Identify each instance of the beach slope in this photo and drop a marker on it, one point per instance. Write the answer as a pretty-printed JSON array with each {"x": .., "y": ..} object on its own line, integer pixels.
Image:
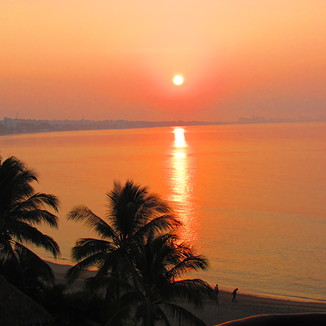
[{"x": 247, "y": 306}]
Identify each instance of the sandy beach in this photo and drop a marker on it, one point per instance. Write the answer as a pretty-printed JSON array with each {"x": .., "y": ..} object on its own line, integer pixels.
[
  {"x": 226, "y": 310},
  {"x": 249, "y": 305}
]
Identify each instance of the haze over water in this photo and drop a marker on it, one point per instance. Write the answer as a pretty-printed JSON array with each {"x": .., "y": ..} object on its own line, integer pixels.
[{"x": 251, "y": 197}]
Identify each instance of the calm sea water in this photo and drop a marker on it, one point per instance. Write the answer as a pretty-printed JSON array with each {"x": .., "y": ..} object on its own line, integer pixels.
[{"x": 252, "y": 198}]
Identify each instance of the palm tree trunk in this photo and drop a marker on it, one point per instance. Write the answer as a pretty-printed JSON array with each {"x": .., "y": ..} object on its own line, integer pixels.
[{"x": 148, "y": 319}]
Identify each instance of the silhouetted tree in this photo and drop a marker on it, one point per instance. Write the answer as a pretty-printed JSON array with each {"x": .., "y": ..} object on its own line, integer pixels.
[
  {"x": 21, "y": 208},
  {"x": 132, "y": 214},
  {"x": 139, "y": 260},
  {"x": 157, "y": 292}
]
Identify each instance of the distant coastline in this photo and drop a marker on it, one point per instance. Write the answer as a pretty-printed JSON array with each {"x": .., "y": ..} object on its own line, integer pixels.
[{"x": 10, "y": 126}]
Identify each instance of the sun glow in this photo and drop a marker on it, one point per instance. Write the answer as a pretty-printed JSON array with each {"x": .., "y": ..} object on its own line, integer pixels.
[
  {"x": 179, "y": 138},
  {"x": 178, "y": 80}
]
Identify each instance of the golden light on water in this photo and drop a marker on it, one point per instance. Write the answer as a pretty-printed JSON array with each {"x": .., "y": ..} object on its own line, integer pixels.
[
  {"x": 181, "y": 184},
  {"x": 179, "y": 138},
  {"x": 179, "y": 155}
]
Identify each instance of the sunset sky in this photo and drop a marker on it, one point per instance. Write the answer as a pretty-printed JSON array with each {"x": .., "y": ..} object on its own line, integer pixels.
[{"x": 110, "y": 59}]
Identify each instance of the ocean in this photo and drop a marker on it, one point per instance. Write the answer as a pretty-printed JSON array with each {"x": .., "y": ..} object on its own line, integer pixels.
[{"x": 252, "y": 198}]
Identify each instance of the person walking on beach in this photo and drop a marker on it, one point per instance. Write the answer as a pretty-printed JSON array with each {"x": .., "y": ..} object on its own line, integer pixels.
[
  {"x": 234, "y": 295},
  {"x": 216, "y": 291}
]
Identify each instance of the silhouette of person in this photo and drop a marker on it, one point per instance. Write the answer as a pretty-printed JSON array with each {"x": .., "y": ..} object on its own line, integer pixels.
[
  {"x": 234, "y": 295},
  {"x": 216, "y": 291}
]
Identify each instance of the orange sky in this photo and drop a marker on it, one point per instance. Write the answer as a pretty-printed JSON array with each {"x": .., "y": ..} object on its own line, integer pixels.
[{"x": 109, "y": 59}]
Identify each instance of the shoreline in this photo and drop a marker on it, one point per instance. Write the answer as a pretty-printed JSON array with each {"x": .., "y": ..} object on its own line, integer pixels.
[
  {"x": 248, "y": 304},
  {"x": 60, "y": 269}
]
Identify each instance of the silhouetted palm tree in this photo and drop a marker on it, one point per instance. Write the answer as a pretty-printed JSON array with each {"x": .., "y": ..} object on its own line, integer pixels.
[
  {"x": 20, "y": 210},
  {"x": 132, "y": 214},
  {"x": 138, "y": 259},
  {"x": 157, "y": 292}
]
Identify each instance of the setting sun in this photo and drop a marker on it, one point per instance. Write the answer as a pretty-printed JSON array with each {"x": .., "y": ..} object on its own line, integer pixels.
[{"x": 178, "y": 80}]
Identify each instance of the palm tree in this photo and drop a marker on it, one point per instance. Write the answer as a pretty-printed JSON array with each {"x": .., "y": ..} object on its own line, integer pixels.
[
  {"x": 138, "y": 259},
  {"x": 157, "y": 292},
  {"x": 133, "y": 213},
  {"x": 21, "y": 208}
]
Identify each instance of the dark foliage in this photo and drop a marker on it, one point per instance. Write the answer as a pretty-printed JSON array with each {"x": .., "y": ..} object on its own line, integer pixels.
[
  {"x": 139, "y": 260},
  {"x": 21, "y": 210}
]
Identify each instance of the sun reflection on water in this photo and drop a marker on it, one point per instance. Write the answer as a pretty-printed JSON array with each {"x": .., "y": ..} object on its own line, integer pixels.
[
  {"x": 179, "y": 138},
  {"x": 181, "y": 184}
]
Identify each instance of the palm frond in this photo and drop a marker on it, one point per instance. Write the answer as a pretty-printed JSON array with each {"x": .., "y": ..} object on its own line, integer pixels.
[
  {"x": 7, "y": 252},
  {"x": 36, "y": 216},
  {"x": 183, "y": 316},
  {"x": 158, "y": 224},
  {"x": 16, "y": 178},
  {"x": 190, "y": 263},
  {"x": 10, "y": 265},
  {"x": 12, "y": 167},
  {"x": 33, "y": 265},
  {"x": 153, "y": 205},
  {"x": 38, "y": 200},
  {"x": 121, "y": 195},
  {"x": 83, "y": 213},
  {"x": 194, "y": 291},
  {"x": 124, "y": 202},
  {"x": 131, "y": 207},
  {"x": 25, "y": 232},
  {"x": 154, "y": 255},
  {"x": 91, "y": 261},
  {"x": 88, "y": 246}
]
